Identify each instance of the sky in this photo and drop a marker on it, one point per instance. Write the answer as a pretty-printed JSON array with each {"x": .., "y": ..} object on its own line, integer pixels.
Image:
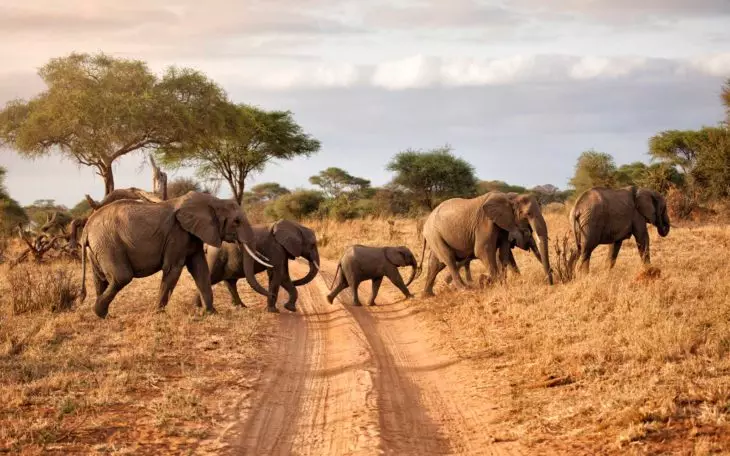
[{"x": 516, "y": 87}]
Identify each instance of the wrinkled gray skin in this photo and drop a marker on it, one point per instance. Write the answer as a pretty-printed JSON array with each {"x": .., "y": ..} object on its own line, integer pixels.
[
  {"x": 283, "y": 241},
  {"x": 506, "y": 244},
  {"x": 461, "y": 229},
  {"x": 610, "y": 216},
  {"x": 130, "y": 239},
  {"x": 360, "y": 262}
]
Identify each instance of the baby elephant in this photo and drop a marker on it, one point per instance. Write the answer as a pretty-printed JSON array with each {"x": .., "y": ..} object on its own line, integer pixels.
[{"x": 360, "y": 262}]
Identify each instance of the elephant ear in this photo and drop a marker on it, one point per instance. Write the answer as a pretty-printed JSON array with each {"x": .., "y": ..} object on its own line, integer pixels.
[
  {"x": 646, "y": 204},
  {"x": 289, "y": 236},
  {"x": 196, "y": 215},
  {"x": 498, "y": 208},
  {"x": 395, "y": 256}
]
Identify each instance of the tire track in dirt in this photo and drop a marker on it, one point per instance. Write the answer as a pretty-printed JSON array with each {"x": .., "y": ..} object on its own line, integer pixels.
[
  {"x": 430, "y": 401},
  {"x": 317, "y": 396}
]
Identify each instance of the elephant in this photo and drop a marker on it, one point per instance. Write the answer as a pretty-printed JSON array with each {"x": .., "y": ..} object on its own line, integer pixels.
[
  {"x": 459, "y": 229},
  {"x": 130, "y": 239},
  {"x": 361, "y": 262},
  {"x": 283, "y": 241},
  {"x": 506, "y": 259},
  {"x": 610, "y": 216}
]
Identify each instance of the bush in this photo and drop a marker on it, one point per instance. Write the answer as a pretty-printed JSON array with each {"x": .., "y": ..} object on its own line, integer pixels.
[
  {"x": 296, "y": 205},
  {"x": 680, "y": 203},
  {"x": 35, "y": 288},
  {"x": 182, "y": 185}
]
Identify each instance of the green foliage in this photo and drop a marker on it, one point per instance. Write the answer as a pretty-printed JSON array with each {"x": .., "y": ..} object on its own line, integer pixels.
[
  {"x": 660, "y": 177},
  {"x": 712, "y": 170},
  {"x": 498, "y": 186},
  {"x": 593, "y": 169},
  {"x": 295, "y": 205},
  {"x": 334, "y": 182},
  {"x": 393, "y": 200},
  {"x": 81, "y": 209},
  {"x": 680, "y": 147},
  {"x": 433, "y": 175},
  {"x": 546, "y": 194},
  {"x": 630, "y": 174},
  {"x": 182, "y": 185},
  {"x": 11, "y": 213},
  {"x": 242, "y": 143},
  {"x": 98, "y": 108},
  {"x": 41, "y": 211},
  {"x": 265, "y": 192}
]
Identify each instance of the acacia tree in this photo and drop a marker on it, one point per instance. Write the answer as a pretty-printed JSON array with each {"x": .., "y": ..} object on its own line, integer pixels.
[
  {"x": 244, "y": 141},
  {"x": 98, "y": 108},
  {"x": 334, "y": 182},
  {"x": 433, "y": 175},
  {"x": 593, "y": 169},
  {"x": 726, "y": 100}
]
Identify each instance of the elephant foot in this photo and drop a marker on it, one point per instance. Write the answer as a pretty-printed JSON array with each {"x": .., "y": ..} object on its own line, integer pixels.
[
  {"x": 100, "y": 313},
  {"x": 330, "y": 299},
  {"x": 240, "y": 305},
  {"x": 427, "y": 294},
  {"x": 372, "y": 303},
  {"x": 272, "y": 309},
  {"x": 290, "y": 307},
  {"x": 357, "y": 304},
  {"x": 211, "y": 311}
]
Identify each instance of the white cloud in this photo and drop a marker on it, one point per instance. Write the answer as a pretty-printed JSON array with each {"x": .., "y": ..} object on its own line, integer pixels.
[
  {"x": 408, "y": 73},
  {"x": 596, "y": 67},
  {"x": 714, "y": 65},
  {"x": 466, "y": 72}
]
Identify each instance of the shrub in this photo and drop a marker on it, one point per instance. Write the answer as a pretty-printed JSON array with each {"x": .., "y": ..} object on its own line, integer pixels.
[
  {"x": 295, "y": 205},
  {"x": 35, "y": 288},
  {"x": 680, "y": 203}
]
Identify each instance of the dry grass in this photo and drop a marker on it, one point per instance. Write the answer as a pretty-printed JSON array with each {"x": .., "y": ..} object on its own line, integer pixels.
[
  {"x": 33, "y": 288},
  {"x": 138, "y": 382},
  {"x": 631, "y": 359}
]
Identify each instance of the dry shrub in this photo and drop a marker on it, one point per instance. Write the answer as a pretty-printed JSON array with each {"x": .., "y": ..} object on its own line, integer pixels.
[
  {"x": 565, "y": 259},
  {"x": 648, "y": 274},
  {"x": 680, "y": 204},
  {"x": 555, "y": 208},
  {"x": 35, "y": 288}
]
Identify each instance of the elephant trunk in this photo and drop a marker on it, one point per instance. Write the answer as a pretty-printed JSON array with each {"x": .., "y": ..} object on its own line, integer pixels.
[
  {"x": 313, "y": 270},
  {"x": 663, "y": 225},
  {"x": 414, "y": 268},
  {"x": 250, "y": 273},
  {"x": 539, "y": 227}
]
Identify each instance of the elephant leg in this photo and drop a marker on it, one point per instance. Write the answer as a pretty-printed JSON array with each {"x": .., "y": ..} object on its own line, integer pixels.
[
  {"x": 507, "y": 259},
  {"x": 233, "y": 290},
  {"x": 274, "y": 284},
  {"x": 291, "y": 304},
  {"x": 100, "y": 283},
  {"x": 467, "y": 271},
  {"x": 445, "y": 254},
  {"x": 339, "y": 284},
  {"x": 353, "y": 288},
  {"x": 101, "y": 307},
  {"x": 585, "y": 258},
  {"x": 485, "y": 249},
  {"x": 376, "y": 288},
  {"x": 641, "y": 234},
  {"x": 198, "y": 268},
  {"x": 613, "y": 250},
  {"x": 167, "y": 285},
  {"x": 434, "y": 267},
  {"x": 397, "y": 280}
]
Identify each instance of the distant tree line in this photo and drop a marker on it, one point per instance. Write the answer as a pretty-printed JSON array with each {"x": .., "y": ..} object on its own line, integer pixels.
[{"x": 98, "y": 108}]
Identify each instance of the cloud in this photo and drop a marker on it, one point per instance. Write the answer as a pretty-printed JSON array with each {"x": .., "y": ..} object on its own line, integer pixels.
[
  {"x": 618, "y": 11},
  {"x": 715, "y": 65},
  {"x": 435, "y": 14}
]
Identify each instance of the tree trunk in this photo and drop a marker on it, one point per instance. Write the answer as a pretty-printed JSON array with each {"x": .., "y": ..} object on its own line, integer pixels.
[
  {"x": 159, "y": 180},
  {"x": 108, "y": 176}
]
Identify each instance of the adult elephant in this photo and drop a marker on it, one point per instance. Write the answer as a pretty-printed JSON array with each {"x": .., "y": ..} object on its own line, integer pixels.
[
  {"x": 505, "y": 244},
  {"x": 130, "y": 239},
  {"x": 283, "y": 241},
  {"x": 610, "y": 216},
  {"x": 459, "y": 229}
]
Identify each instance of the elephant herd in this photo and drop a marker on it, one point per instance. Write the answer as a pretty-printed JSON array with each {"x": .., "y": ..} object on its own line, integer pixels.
[{"x": 212, "y": 238}]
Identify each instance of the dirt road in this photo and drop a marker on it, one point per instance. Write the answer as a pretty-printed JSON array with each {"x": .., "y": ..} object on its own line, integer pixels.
[{"x": 369, "y": 380}]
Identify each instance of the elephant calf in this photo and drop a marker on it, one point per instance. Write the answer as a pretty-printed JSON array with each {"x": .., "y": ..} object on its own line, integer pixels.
[
  {"x": 283, "y": 241},
  {"x": 610, "y": 216},
  {"x": 360, "y": 262}
]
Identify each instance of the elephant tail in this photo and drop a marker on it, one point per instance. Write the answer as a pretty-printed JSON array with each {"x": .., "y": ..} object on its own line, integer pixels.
[
  {"x": 423, "y": 257},
  {"x": 84, "y": 243},
  {"x": 337, "y": 271},
  {"x": 577, "y": 229}
]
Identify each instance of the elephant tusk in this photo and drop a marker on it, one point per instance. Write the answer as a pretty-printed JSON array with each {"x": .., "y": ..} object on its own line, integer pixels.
[
  {"x": 255, "y": 257},
  {"x": 316, "y": 265}
]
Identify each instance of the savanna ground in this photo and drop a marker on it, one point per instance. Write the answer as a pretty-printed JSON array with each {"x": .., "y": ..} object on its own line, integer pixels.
[{"x": 620, "y": 361}]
